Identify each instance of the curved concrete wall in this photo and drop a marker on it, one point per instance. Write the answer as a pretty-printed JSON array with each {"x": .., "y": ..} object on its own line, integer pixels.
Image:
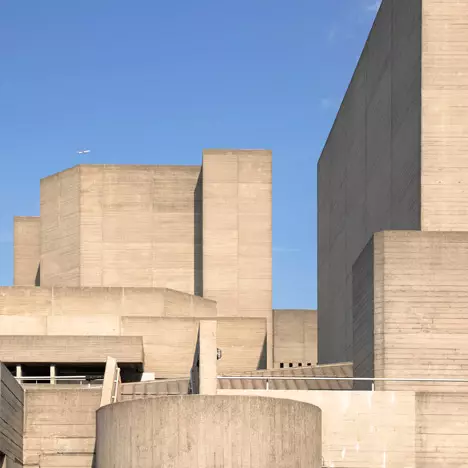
[{"x": 209, "y": 432}]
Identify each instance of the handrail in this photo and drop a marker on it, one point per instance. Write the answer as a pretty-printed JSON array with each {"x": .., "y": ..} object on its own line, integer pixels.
[
  {"x": 357, "y": 379},
  {"x": 366, "y": 379},
  {"x": 50, "y": 378}
]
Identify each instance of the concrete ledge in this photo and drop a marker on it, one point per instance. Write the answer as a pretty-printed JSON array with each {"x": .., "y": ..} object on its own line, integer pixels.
[{"x": 65, "y": 349}]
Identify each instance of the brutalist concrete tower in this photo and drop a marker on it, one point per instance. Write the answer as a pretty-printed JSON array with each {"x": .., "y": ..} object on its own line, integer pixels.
[
  {"x": 396, "y": 159},
  {"x": 203, "y": 230}
]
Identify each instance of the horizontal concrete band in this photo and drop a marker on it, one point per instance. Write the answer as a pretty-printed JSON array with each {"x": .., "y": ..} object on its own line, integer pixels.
[{"x": 65, "y": 349}]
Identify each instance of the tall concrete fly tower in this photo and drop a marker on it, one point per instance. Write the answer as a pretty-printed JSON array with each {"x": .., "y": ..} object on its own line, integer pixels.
[{"x": 396, "y": 156}]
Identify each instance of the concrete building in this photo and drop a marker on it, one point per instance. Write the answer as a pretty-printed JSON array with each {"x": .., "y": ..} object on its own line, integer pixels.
[{"x": 140, "y": 330}]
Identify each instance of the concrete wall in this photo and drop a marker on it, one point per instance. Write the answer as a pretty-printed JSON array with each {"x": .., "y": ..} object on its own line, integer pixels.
[
  {"x": 134, "y": 226},
  {"x": 66, "y": 349},
  {"x": 60, "y": 427},
  {"x": 170, "y": 343},
  {"x": 369, "y": 171},
  {"x": 27, "y": 301},
  {"x": 420, "y": 322},
  {"x": 60, "y": 229},
  {"x": 294, "y": 337},
  {"x": 359, "y": 429},
  {"x": 140, "y": 226},
  {"x": 11, "y": 418},
  {"x": 27, "y": 251},
  {"x": 166, "y": 320},
  {"x": 208, "y": 431},
  {"x": 442, "y": 430},
  {"x": 444, "y": 117},
  {"x": 237, "y": 233}
]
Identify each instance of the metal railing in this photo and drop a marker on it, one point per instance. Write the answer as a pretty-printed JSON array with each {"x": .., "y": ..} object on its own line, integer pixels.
[
  {"x": 91, "y": 381},
  {"x": 268, "y": 379}
]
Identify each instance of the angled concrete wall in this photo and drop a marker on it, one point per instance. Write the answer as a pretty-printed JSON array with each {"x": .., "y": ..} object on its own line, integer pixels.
[
  {"x": 237, "y": 233},
  {"x": 369, "y": 171},
  {"x": 27, "y": 251},
  {"x": 11, "y": 418},
  {"x": 420, "y": 326},
  {"x": 208, "y": 431},
  {"x": 294, "y": 337},
  {"x": 60, "y": 427}
]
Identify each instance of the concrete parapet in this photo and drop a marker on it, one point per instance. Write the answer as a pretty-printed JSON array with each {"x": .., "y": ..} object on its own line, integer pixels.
[
  {"x": 60, "y": 427},
  {"x": 148, "y": 302},
  {"x": 208, "y": 431},
  {"x": 359, "y": 429}
]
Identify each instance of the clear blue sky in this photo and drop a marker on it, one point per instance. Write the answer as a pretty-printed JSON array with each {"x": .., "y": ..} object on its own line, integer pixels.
[{"x": 155, "y": 82}]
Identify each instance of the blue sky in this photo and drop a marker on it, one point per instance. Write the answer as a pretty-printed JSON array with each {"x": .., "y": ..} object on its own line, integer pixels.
[{"x": 155, "y": 82}]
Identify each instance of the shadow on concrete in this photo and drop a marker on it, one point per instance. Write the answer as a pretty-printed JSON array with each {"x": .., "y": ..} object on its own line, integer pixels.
[
  {"x": 37, "y": 281},
  {"x": 198, "y": 236},
  {"x": 262, "y": 361}
]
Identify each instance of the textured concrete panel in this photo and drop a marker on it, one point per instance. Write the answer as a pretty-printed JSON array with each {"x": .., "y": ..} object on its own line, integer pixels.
[
  {"x": 369, "y": 171},
  {"x": 60, "y": 229},
  {"x": 237, "y": 233},
  {"x": 359, "y": 429},
  {"x": 420, "y": 327},
  {"x": 27, "y": 251},
  {"x": 202, "y": 431},
  {"x": 442, "y": 430},
  {"x": 134, "y": 226},
  {"x": 140, "y": 226},
  {"x": 444, "y": 116},
  {"x": 243, "y": 343},
  {"x": 60, "y": 427},
  {"x": 83, "y": 325},
  {"x": 294, "y": 337},
  {"x": 11, "y": 417}
]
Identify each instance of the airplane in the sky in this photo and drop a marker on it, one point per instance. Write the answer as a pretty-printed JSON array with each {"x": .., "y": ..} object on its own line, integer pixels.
[{"x": 84, "y": 151}]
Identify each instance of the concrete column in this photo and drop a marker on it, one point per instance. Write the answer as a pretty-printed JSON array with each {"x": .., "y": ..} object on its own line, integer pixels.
[
  {"x": 108, "y": 385},
  {"x": 52, "y": 375},
  {"x": 19, "y": 373},
  {"x": 208, "y": 358}
]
